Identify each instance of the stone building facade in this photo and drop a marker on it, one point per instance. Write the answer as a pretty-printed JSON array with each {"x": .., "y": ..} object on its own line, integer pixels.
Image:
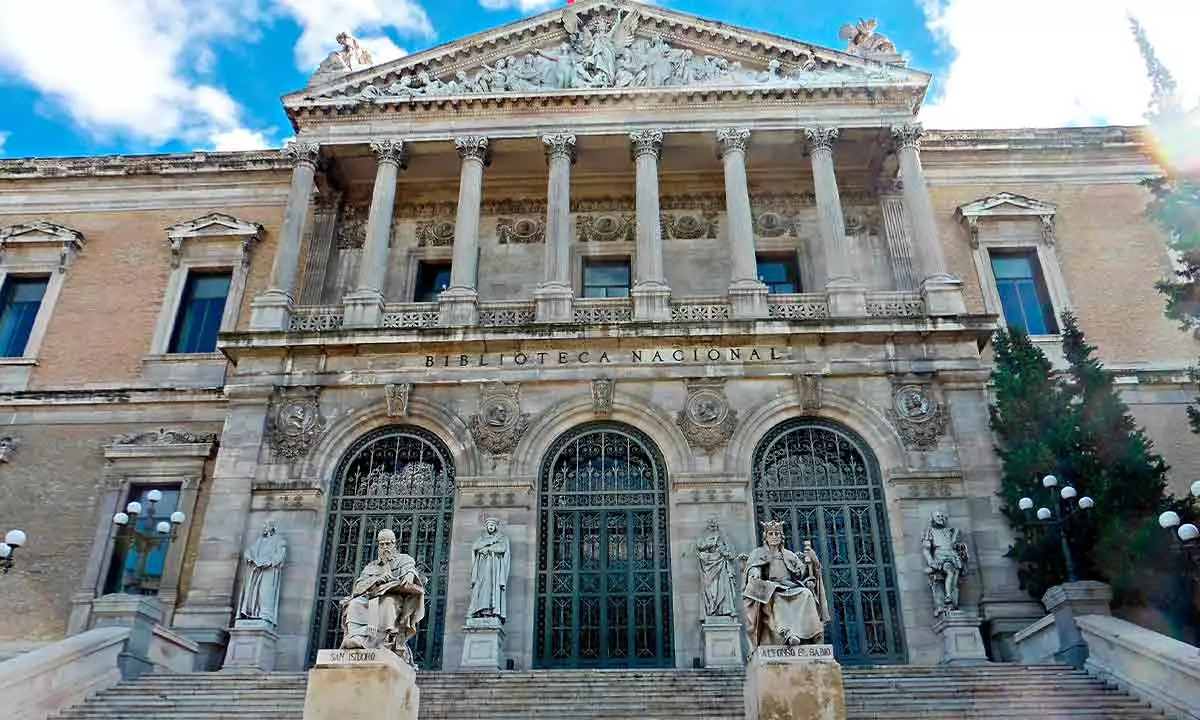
[{"x": 603, "y": 274}]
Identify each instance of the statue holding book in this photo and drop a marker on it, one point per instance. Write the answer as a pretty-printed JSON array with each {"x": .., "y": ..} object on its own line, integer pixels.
[
  {"x": 386, "y": 602},
  {"x": 783, "y": 593}
]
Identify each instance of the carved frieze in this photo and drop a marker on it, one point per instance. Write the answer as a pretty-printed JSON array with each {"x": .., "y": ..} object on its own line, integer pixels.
[
  {"x": 397, "y": 398},
  {"x": 706, "y": 420},
  {"x": 606, "y": 228},
  {"x": 499, "y": 424},
  {"x": 435, "y": 233},
  {"x": 352, "y": 227},
  {"x": 602, "y": 396},
  {"x": 521, "y": 231},
  {"x": 163, "y": 436},
  {"x": 690, "y": 225},
  {"x": 862, "y": 221},
  {"x": 918, "y": 417},
  {"x": 294, "y": 422}
]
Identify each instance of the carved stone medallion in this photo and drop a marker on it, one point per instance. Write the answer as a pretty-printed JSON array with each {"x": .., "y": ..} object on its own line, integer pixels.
[
  {"x": 690, "y": 226},
  {"x": 499, "y": 424},
  {"x": 397, "y": 399},
  {"x": 520, "y": 231},
  {"x": 706, "y": 420},
  {"x": 918, "y": 417},
  {"x": 602, "y": 396},
  {"x": 293, "y": 423},
  {"x": 436, "y": 233},
  {"x": 605, "y": 228}
]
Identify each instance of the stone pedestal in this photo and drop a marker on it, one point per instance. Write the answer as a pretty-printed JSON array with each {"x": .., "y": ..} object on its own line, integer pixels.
[
  {"x": 482, "y": 639},
  {"x": 361, "y": 685},
  {"x": 271, "y": 312},
  {"x": 846, "y": 299},
  {"x": 943, "y": 295},
  {"x": 553, "y": 303},
  {"x": 722, "y": 642},
  {"x": 797, "y": 683},
  {"x": 1067, "y": 601},
  {"x": 962, "y": 643},
  {"x": 363, "y": 309},
  {"x": 139, "y": 613},
  {"x": 458, "y": 307},
  {"x": 251, "y": 647},
  {"x": 748, "y": 300},
  {"x": 651, "y": 302}
]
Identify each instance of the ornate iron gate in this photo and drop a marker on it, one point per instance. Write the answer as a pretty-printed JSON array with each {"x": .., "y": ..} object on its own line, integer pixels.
[
  {"x": 822, "y": 482},
  {"x": 604, "y": 575},
  {"x": 397, "y": 477}
]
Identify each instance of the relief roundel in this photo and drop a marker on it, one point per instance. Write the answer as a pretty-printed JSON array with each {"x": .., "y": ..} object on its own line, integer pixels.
[
  {"x": 707, "y": 408},
  {"x": 912, "y": 403}
]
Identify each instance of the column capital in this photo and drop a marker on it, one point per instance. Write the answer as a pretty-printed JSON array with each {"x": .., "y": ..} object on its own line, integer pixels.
[
  {"x": 390, "y": 150},
  {"x": 646, "y": 142},
  {"x": 302, "y": 153},
  {"x": 473, "y": 147},
  {"x": 909, "y": 135},
  {"x": 732, "y": 140},
  {"x": 821, "y": 138},
  {"x": 559, "y": 145}
]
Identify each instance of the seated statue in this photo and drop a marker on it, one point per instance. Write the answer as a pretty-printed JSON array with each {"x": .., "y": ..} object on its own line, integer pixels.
[
  {"x": 783, "y": 593},
  {"x": 386, "y": 603}
]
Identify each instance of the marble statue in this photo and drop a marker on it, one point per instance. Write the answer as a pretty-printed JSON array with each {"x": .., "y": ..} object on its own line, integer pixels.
[
  {"x": 783, "y": 593},
  {"x": 862, "y": 39},
  {"x": 349, "y": 58},
  {"x": 945, "y": 559},
  {"x": 716, "y": 573},
  {"x": 263, "y": 564},
  {"x": 490, "y": 559},
  {"x": 386, "y": 602}
]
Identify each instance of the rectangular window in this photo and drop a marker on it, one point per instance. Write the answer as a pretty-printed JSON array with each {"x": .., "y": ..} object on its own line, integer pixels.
[
  {"x": 1023, "y": 296},
  {"x": 200, "y": 309},
  {"x": 606, "y": 278},
  {"x": 20, "y": 299},
  {"x": 140, "y": 551},
  {"x": 779, "y": 273},
  {"x": 432, "y": 279}
]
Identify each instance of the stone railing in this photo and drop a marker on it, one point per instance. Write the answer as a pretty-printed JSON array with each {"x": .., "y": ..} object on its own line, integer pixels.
[
  {"x": 799, "y": 306},
  {"x": 507, "y": 314},
  {"x": 603, "y": 310},
  {"x": 1158, "y": 669},
  {"x": 700, "y": 309},
  {"x": 44, "y": 682},
  {"x": 410, "y": 315},
  {"x": 317, "y": 318},
  {"x": 894, "y": 304}
]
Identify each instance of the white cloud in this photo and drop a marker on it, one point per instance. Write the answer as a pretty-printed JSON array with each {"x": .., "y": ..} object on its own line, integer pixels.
[
  {"x": 321, "y": 20},
  {"x": 240, "y": 139},
  {"x": 124, "y": 66},
  {"x": 1045, "y": 63},
  {"x": 382, "y": 49},
  {"x": 524, "y": 6},
  {"x": 3, "y": 138}
]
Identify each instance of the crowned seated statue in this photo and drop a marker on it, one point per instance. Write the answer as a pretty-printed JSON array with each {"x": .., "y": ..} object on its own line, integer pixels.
[
  {"x": 783, "y": 593},
  {"x": 386, "y": 603}
]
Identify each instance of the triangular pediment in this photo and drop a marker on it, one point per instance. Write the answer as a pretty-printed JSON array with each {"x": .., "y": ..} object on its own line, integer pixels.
[
  {"x": 1006, "y": 204},
  {"x": 40, "y": 232},
  {"x": 214, "y": 225},
  {"x": 607, "y": 46}
]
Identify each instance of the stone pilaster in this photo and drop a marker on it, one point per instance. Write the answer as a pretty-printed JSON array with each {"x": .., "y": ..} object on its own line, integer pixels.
[
  {"x": 271, "y": 310},
  {"x": 942, "y": 291},
  {"x": 364, "y": 306},
  {"x": 847, "y": 296},
  {"x": 459, "y": 304},
  {"x": 651, "y": 295},
  {"x": 553, "y": 297},
  {"x": 747, "y": 294}
]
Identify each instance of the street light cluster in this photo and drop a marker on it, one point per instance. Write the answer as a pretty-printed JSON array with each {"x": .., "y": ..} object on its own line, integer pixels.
[
  {"x": 135, "y": 509},
  {"x": 1067, "y": 493},
  {"x": 13, "y": 539},
  {"x": 1187, "y": 532},
  {"x": 144, "y": 542},
  {"x": 1058, "y": 517}
]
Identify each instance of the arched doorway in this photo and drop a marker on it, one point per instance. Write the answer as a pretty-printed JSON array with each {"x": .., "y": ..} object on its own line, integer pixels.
[
  {"x": 604, "y": 573},
  {"x": 822, "y": 481},
  {"x": 397, "y": 477}
]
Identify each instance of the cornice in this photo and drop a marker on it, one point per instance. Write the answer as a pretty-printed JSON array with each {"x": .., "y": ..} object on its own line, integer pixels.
[
  {"x": 127, "y": 165},
  {"x": 1033, "y": 138}
]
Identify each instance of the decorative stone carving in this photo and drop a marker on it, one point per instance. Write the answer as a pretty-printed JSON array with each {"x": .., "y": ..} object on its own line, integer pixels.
[
  {"x": 389, "y": 150},
  {"x": 908, "y": 135},
  {"x": 348, "y": 58},
  {"x": 293, "y": 424},
  {"x": 783, "y": 593},
  {"x": 562, "y": 144},
  {"x": 602, "y": 396},
  {"x": 918, "y": 417},
  {"x": 397, "y": 399},
  {"x": 499, "y": 424},
  {"x": 435, "y": 233},
  {"x": 302, "y": 152},
  {"x": 706, "y": 420},
  {"x": 8, "y": 445},
  {"x": 945, "y": 562},
  {"x": 690, "y": 226},
  {"x": 862, "y": 40},
  {"x": 352, "y": 227},
  {"x": 163, "y": 436},
  {"x": 262, "y": 568},
  {"x": 41, "y": 233},
  {"x": 606, "y": 228},
  {"x": 490, "y": 561},
  {"x": 386, "y": 602},
  {"x": 646, "y": 142},
  {"x": 735, "y": 139},
  {"x": 821, "y": 138},
  {"x": 472, "y": 147},
  {"x": 521, "y": 231},
  {"x": 213, "y": 225},
  {"x": 810, "y": 388},
  {"x": 717, "y": 587},
  {"x": 862, "y": 221}
]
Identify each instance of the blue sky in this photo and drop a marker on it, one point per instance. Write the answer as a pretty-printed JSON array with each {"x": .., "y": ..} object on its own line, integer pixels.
[{"x": 82, "y": 77}]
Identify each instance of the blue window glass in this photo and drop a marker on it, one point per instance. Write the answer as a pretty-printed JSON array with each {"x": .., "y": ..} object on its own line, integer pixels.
[
  {"x": 1023, "y": 297},
  {"x": 432, "y": 279},
  {"x": 779, "y": 273},
  {"x": 606, "y": 278},
  {"x": 140, "y": 551},
  {"x": 20, "y": 299},
  {"x": 200, "y": 311}
]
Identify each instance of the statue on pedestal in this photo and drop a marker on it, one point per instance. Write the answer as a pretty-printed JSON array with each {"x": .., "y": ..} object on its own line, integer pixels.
[
  {"x": 945, "y": 559},
  {"x": 783, "y": 593},
  {"x": 489, "y": 573},
  {"x": 386, "y": 602},
  {"x": 716, "y": 573},
  {"x": 263, "y": 563}
]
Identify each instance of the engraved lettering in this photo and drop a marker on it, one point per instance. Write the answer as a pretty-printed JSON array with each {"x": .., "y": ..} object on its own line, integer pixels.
[
  {"x": 585, "y": 357},
  {"x": 637, "y": 356},
  {"x": 428, "y": 361},
  {"x": 657, "y": 356},
  {"x": 520, "y": 358},
  {"x": 562, "y": 358},
  {"x": 735, "y": 353},
  {"x": 754, "y": 354},
  {"x": 714, "y": 354},
  {"x": 677, "y": 356}
]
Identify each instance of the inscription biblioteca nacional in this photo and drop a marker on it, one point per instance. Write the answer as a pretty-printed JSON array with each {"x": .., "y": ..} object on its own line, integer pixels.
[{"x": 661, "y": 356}]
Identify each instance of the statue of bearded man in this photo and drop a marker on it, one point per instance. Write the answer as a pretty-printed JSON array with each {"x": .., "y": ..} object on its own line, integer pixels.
[
  {"x": 386, "y": 603},
  {"x": 783, "y": 593}
]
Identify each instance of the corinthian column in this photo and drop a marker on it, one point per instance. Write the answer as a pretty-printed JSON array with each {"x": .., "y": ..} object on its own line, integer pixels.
[
  {"x": 459, "y": 303},
  {"x": 651, "y": 295},
  {"x": 846, "y": 295},
  {"x": 942, "y": 291},
  {"x": 271, "y": 310},
  {"x": 747, "y": 294},
  {"x": 364, "y": 306},
  {"x": 553, "y": 297}
]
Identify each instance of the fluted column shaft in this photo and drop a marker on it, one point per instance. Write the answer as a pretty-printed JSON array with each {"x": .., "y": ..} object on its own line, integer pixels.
[
  {"x": 732, "y": 144},
  {"x": 372, "y": 272},
  {"x": 474, "y": 153},
  {"x": 647, "y": 145},
  {"x": 560, "y": 154},
  {"x": 287, "y": 253},
  {"x": 831, "y": 226},
  {"x": 917, "y": 204}
]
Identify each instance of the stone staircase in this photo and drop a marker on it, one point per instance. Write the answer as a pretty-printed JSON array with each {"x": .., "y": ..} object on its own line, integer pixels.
[{"x": 991, "y": 692}]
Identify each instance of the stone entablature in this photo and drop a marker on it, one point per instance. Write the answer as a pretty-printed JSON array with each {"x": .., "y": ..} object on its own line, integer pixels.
[{"x": 126, "y": 165}]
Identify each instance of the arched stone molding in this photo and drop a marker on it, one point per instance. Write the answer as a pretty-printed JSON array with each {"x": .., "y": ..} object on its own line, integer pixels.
[{"x": 552, "y": 422}]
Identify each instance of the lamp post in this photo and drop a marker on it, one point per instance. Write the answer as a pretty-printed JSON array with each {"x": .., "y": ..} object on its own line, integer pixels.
[
  {"x": 13, "y": 539},
  {"x": 144, "y": 542},
  {"x": 1188, "y": 533},
  {"x": 1061, "y": 513}
]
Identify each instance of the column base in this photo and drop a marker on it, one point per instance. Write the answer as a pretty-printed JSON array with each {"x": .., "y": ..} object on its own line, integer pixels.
[
  {"x": 846, "y": 298},
  {"x": 722, "y": 642},
  {"x": 748, "y": 300},
  {"x": 251, "y": 647},
  {"x": 553, "y": 303},
  {"x": 943, "y": 295},
  {"x": 458, "y": 307},
  {"x": 482, "y": 639},
  {"x": 271, "y": 311},
  {"x": 962, "y": 643},
  {"x": 802, "y": 682},
  {"x": 361, "y": 684},
  {"x": 363, "y": 309},
  {"x": 651, "y": 302}
]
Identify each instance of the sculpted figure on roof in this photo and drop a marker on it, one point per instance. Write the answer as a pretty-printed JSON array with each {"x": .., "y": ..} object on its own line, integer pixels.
[{"x": 347, "y": 59}]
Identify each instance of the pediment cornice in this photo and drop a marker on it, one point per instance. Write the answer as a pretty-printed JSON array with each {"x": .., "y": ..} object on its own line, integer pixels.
[{"x": 1006, "y": 204}]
